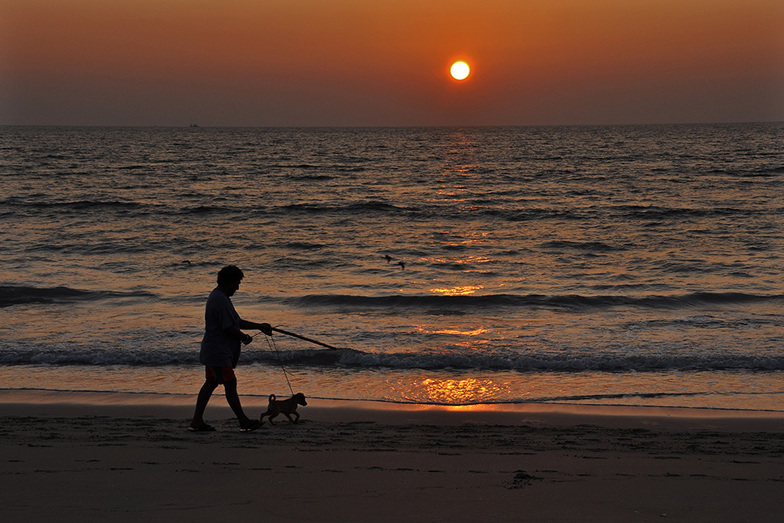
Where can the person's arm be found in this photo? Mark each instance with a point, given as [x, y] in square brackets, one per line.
[237, 334]
[266, 328]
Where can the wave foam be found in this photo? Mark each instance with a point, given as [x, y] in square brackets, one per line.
[63, 355]
[573, 301]
[21, 294]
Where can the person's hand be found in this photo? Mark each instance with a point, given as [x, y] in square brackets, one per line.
[247, 339]
[266, 328]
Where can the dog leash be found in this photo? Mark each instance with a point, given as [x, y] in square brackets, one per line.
[272, 345]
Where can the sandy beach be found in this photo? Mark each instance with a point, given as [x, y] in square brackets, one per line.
[101, 458]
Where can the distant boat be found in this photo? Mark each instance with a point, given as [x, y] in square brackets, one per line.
[194, 125]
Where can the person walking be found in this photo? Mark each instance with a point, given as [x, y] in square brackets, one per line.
[221, 347]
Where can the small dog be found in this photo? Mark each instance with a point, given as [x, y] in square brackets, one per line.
[286, 407]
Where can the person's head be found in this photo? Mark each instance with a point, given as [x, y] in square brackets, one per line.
[229, 278]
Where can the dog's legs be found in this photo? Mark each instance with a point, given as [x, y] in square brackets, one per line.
[295, 413]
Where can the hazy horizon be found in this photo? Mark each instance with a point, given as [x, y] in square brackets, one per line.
[351, 63]
[445, 126]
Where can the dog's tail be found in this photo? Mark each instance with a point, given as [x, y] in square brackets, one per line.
[272, 398]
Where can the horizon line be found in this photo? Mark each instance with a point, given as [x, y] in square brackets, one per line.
[413, 126]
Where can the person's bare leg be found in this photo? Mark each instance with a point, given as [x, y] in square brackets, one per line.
[234, 402]
[201, 403]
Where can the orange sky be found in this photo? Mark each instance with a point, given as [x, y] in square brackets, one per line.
[361, 62]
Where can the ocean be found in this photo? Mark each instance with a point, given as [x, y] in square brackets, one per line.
[606, 265]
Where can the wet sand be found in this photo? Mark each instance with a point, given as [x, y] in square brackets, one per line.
[65, 458]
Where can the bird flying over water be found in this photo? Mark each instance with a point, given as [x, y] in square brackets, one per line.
[401, 263]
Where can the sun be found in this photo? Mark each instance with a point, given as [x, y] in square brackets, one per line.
[460, 70]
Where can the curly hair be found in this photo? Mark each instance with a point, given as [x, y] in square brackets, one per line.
[230, 273]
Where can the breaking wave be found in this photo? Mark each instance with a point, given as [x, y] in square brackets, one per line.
[573, 301]
[519, 361]
[20, 295]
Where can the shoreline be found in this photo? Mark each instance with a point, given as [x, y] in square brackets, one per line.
[60, 403]
[64, 458]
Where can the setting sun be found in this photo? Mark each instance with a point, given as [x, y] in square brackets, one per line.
[460, 70]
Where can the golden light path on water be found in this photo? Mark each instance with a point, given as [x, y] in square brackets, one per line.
[457, 391]
[462, 290]
[457, 332]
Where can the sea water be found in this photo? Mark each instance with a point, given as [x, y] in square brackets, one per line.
[633, 265]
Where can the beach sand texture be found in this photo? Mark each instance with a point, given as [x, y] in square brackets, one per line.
[69, 462]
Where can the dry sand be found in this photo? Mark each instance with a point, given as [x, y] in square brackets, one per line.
[103, 459]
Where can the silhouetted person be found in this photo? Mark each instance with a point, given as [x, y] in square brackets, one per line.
[221, 347]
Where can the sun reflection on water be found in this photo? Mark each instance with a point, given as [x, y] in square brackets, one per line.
[457, 391]
[460, 290]
[475, 332]
[459, 261]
